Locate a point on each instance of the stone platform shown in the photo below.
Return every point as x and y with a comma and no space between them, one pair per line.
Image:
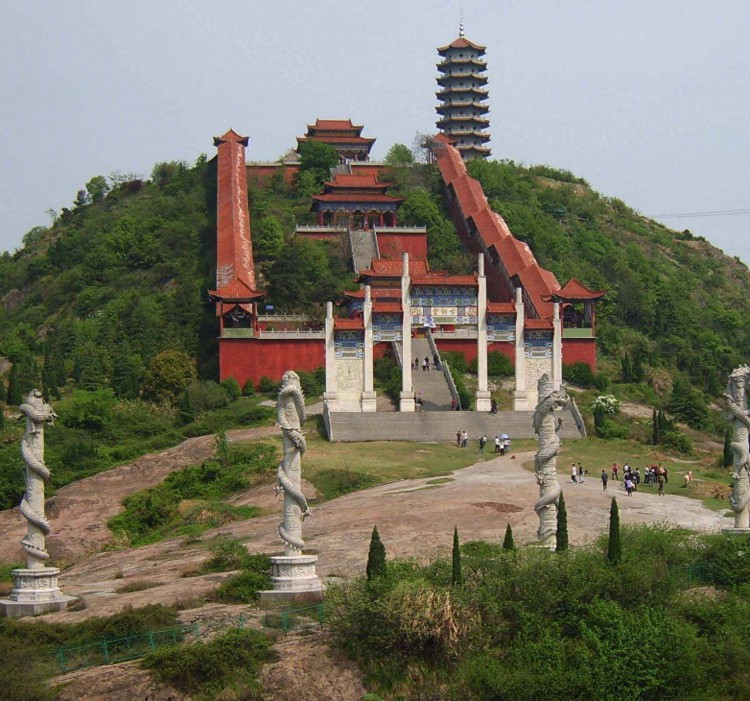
294,581
35,591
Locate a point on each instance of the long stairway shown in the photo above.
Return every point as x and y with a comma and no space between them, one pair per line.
431,386
364,248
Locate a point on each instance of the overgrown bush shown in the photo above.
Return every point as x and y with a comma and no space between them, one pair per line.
232,388
244,587
201,396
267,386
456,361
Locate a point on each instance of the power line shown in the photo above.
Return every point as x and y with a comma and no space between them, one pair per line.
715,213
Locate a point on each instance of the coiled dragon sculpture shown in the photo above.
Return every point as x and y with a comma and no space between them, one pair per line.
290,414
547,426
736,396
37,414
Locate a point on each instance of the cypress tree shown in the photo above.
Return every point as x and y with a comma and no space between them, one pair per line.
626,368
508,543
2,390
456,579
375,557
638,373
2,417
15,396
727,459
614,544
562,525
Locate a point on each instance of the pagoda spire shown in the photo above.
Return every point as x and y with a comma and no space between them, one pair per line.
461,24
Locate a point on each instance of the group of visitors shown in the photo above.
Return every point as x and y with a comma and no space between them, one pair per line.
577,473
652,475
426,363
502,443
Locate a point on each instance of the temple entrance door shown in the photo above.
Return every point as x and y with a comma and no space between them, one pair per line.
358,220
388,219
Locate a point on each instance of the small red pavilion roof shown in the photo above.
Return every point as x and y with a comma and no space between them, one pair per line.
387,307
335,125
388,267
337,139
535,324
235,291
575,291
376,292
368,180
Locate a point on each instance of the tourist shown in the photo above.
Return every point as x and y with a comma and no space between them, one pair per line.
615,470
629,484
464,439
453,404
493,406
636,478
573,473
661,479
502,446
507,444
482,443
416,363
688,478
497,444
580,473
458,439
426,364
436,360
605,478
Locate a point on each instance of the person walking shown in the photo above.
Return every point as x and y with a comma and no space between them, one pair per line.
426,364
615,470
497,444
573,473
436,360
581,472
605,479
493,406
464,439
629,485
458,439
660,480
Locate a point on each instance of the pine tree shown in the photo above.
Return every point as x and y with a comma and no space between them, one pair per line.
562,525
727,459
614,544
626,368
508,543
456,578
15,396
655,433
375,557
638,373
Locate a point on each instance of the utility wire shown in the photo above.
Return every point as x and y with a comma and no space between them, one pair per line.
715,213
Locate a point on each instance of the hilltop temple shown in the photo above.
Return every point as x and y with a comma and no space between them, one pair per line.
403,307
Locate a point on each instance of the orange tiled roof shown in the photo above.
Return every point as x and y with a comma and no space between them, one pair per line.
387,307
376,292
389,267
348,324
445,280
358,181
337,139
535,324
461,43
575,291
501,308
334,124
235,291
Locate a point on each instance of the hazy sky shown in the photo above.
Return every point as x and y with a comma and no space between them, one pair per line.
646,99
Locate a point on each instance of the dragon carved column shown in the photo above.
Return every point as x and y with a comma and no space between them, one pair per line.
547,427
736,396
290,414
37,414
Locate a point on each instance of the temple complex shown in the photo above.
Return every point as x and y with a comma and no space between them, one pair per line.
463,96
356,201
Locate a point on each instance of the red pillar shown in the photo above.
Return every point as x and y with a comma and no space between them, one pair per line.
320,217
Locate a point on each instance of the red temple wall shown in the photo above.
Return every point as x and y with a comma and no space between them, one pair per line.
260,174
579,350
252,358
392,245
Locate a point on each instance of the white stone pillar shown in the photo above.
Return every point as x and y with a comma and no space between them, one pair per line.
406,402
556,347
483,394
331,370
520,396
369,402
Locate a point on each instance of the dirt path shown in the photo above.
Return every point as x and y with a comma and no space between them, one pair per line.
79,512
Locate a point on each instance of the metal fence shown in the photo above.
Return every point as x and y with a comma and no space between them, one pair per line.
137,645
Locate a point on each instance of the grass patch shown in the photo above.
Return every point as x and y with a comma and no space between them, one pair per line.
137,585
229,554
214,669
440,480
243,587
188,502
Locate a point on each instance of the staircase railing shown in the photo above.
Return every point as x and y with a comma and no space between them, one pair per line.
444,367
397,353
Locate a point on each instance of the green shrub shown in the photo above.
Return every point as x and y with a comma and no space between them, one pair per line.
313,383
244,587
376,566
88,410
202,396
232,388
456,361
675,440
578,373
267,386
388,375
235,657
248,389
228,554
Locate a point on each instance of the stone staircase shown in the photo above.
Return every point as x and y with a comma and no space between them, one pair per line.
431,387
364,248
436,426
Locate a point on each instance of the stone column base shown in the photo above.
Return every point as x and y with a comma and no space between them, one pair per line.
294,580
484,402
34,591
329,400
406,402
735,531
369,402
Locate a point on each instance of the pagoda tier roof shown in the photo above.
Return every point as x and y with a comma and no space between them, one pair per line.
231,135
376,293
480,135
463,280
501,308
576,291
480,106
392,267
448,77
463,118
538,324
356,197
349,324
387,307
457,61
460,43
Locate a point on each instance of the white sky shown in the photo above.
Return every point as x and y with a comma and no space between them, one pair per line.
646,99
